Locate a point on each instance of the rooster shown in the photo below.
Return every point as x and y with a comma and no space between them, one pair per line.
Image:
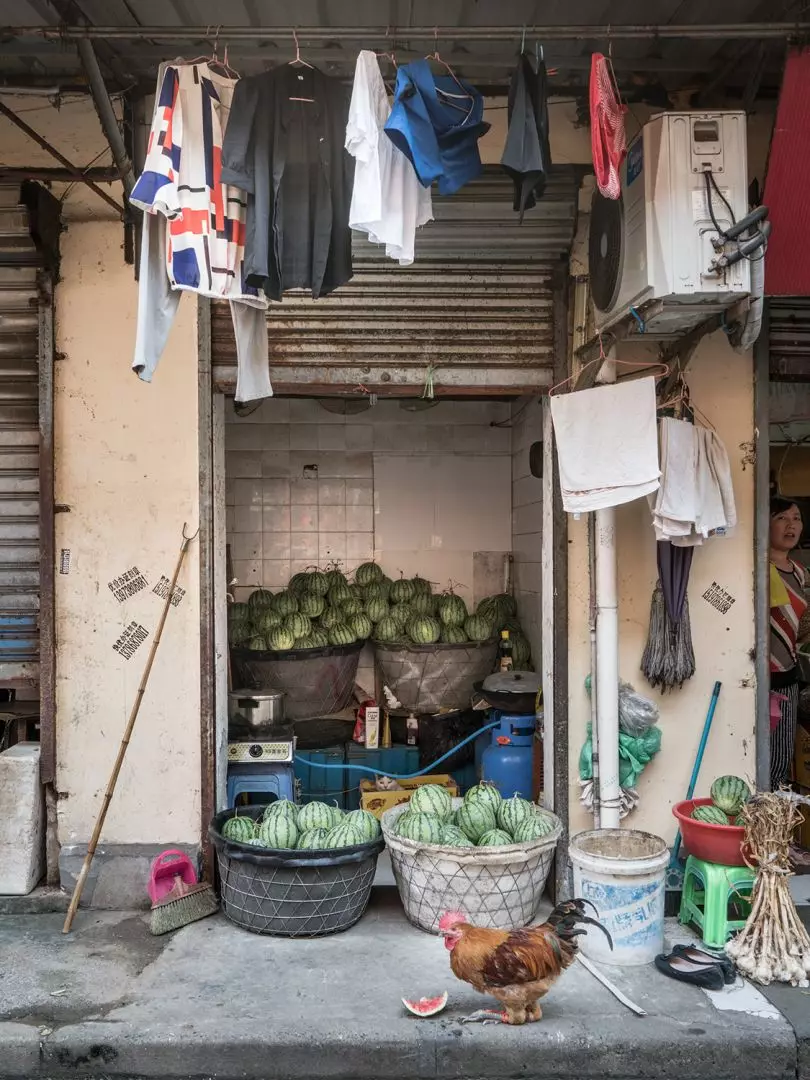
518,967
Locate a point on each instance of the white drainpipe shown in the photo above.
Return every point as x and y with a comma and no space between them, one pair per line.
607,656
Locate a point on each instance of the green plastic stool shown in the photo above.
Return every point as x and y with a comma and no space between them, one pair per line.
707,890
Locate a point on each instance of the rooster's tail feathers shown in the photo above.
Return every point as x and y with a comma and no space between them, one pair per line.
567,916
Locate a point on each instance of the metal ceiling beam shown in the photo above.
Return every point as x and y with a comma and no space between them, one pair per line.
383,34
106,114
75,171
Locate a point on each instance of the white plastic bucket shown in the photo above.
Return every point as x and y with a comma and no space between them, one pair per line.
623,873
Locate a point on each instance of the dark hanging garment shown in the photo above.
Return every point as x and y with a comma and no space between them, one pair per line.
527,155
289,157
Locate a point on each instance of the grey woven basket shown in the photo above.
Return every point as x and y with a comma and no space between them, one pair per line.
497,887
293,893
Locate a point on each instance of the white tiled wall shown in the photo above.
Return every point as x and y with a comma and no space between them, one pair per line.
527,519
300,485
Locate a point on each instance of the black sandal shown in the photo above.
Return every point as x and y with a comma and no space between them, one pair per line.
700,956
709,976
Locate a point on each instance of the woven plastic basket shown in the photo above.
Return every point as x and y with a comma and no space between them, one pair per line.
293,893
494,886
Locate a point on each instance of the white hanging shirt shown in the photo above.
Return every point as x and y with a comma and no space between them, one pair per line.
388,202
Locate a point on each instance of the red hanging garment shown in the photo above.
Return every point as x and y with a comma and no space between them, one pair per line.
608,143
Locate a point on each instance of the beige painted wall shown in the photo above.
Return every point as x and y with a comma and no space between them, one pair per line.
127,467
721,382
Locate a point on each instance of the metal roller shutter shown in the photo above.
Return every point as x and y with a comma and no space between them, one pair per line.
789,331
475,309
19,446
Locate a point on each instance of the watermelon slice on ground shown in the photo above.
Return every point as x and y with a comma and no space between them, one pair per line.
426,1006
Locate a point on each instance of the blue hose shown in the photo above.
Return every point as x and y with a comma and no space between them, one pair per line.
400,776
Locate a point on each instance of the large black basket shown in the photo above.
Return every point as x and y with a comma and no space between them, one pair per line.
293,893
315,682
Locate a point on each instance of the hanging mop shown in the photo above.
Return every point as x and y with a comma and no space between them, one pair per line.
669,659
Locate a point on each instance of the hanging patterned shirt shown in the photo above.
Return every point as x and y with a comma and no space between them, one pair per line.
205,238
785,619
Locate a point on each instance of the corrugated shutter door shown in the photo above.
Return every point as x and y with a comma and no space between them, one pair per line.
789,332
19,446
475,309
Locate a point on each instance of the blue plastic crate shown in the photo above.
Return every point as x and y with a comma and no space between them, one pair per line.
402,760
323,785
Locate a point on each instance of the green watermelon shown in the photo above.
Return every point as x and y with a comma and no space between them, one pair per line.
475,819
335,577
341,634
729,793
314,839
315,815
240,828
487,794
401,614
423,828
311,604
317,583
267,621
257,643
388,630
711,815
454,837
344,835
364,822
376,608
361,626
282,639
304,643
239,633
339,593
319,638
298,583
421,586
494,838
238,613
431,799
423,604
521,651
286,603
512,811
281,807
351,607
298,625
331,617
368,573
534,827
424,630
402,591
258,600
478,628
739,821
278,831
497,608
452,610
454,635
379,591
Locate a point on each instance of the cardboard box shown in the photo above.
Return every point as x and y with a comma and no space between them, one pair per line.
377,802
802,765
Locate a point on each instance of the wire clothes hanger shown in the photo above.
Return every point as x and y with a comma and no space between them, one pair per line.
464,95
213,60
639,368
297,59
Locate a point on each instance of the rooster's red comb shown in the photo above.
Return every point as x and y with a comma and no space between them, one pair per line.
451,919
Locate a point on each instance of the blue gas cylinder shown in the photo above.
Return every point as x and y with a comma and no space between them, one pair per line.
507,761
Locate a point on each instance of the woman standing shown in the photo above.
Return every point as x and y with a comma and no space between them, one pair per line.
788,605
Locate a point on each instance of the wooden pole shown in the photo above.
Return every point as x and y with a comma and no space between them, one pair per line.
119,761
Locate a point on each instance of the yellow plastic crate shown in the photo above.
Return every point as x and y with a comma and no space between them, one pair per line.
377,802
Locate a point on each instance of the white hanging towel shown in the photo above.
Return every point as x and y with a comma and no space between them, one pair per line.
607,444
388,202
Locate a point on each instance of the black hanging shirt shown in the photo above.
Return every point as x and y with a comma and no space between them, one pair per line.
527,155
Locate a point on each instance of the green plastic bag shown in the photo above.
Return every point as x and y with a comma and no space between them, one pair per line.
635,753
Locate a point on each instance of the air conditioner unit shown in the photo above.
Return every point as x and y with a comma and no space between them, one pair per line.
683,185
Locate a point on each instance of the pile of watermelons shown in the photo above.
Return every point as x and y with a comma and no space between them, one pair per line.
484,819
322,607
314,826
728,795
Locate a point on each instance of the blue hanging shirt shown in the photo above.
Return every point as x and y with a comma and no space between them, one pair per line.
441,140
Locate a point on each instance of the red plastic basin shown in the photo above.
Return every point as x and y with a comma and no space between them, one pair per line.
712,843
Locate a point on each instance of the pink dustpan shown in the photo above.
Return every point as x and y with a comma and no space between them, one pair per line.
166,868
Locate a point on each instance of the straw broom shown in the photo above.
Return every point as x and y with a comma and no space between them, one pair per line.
773,946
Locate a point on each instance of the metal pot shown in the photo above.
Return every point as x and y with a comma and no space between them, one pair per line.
254,712
512,692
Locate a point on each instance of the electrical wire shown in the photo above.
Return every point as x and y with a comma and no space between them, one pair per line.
399,776
711,184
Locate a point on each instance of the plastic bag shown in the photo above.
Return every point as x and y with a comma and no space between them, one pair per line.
636,712
635,753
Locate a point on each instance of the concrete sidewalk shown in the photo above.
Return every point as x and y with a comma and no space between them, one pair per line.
110,1000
